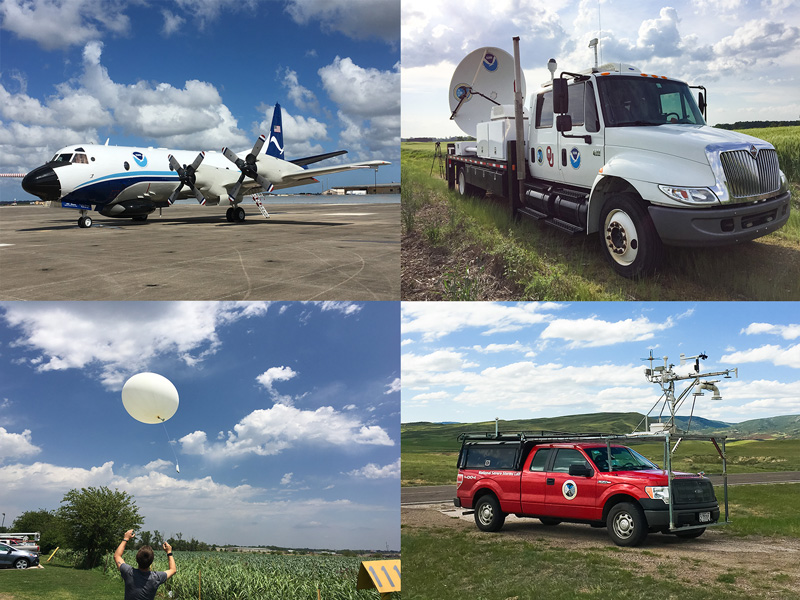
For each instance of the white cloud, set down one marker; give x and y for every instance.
(270, 431)
(273, 374)
(287, 479)
(172, 22)
(111, 344)
(787, 332)
(373, 471)
(16, 445)
(497, 348)
(439, 319)
(303, 98)
(393, 387)
(789, 357)
(592, 332)
(358, 19)
(345, 307)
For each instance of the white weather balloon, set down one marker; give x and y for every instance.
(150, 398)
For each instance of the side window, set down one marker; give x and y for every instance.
(576, 93)
(488, 457)
(592, 119)
(566, 457)
(544, 110)
(540, 459)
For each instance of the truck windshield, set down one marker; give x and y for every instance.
(629, 101)
(622, 459)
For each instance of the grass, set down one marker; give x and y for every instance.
(543, 264)
(59, 582)
(442, 564)
(767, 510)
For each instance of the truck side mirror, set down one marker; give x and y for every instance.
(563, 123)
(580, 470)
(560, 96)
(702, 103)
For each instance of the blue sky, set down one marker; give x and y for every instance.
(287, 431)
(746, 52)
(200, 74)
(471, 362)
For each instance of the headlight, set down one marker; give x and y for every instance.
(658, 493)
(689, 195)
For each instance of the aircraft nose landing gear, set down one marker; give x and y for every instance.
(84, 221)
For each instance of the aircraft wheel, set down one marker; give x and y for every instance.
(84, 222)
(229, 215)
(140, 218)
(239, 214)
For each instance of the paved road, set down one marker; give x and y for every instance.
(432, 494)
(304, 252)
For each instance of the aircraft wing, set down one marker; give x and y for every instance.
(311, 173)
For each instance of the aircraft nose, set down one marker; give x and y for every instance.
(42, 182)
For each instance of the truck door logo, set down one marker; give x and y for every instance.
(575, 158)
(569, 489)
(539, 155)
(549, 156)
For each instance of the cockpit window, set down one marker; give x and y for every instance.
(65, 158)
(81, 159)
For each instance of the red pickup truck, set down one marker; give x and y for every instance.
(597, 483)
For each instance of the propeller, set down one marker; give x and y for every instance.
(248, 167)
(187, 177)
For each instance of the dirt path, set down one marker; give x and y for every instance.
(718, 553)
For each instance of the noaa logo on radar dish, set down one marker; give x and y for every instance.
(462, 90)
(490, 62)
(569, 489)
(140, 159)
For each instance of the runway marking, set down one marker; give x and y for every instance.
(1, 245)
(347, 214)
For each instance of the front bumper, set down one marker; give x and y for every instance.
(719, 226)
(657, 513)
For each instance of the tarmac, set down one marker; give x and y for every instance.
(303, 252)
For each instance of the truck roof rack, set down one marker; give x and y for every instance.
(564, 436)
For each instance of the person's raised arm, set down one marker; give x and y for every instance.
(172, 567)
(121, 548)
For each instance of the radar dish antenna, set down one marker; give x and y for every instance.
(484, 78)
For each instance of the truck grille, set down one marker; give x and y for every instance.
(692, 491)
(747, 176)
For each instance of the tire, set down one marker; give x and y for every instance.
(21, 563)
(84, 222)
(461, 184)
(488, 516)
(691, 534)
(549, 521)
(238, 214)
(626, 524)
(141, 218)
(229, 215)
(629, 238)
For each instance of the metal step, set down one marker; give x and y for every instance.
(260, 205)
(564, 226)
(532, 213)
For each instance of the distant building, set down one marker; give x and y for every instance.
(381, 188)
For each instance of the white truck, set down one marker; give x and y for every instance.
(614, 151)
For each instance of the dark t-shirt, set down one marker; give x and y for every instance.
(141, 585)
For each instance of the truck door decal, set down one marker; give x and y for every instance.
(575, 158)
(539, 155)
(569, 489)
(549, 156)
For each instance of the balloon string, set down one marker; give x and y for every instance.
(169, 441)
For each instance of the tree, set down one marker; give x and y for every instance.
(46, 522)
(95, 519)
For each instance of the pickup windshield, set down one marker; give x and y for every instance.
(629, 101)
(622, 459)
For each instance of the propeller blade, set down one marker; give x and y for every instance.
(231, 156)
(248, 168)
(235, 190)
(258, 145)
(186, 174)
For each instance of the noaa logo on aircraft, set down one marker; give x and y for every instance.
(575, 158)
(490, 62)
(539, 155)
(140, 159)
(569, 489)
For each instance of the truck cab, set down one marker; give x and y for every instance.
(595, 483)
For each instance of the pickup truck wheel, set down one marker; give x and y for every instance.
(626, 524)
(630, 240)
(488, 516)
(21, 563)
(692, 533)
(549, 521)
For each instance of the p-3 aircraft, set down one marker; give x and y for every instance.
(132, 182)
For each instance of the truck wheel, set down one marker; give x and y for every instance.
(630, 240)
(626, 524)
(488, 516)
(691, 534)
(463, 186)
(549, 521)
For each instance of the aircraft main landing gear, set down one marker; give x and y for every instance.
(235, 214)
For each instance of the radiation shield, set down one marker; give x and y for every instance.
(150, 398)
(381, 575)
(483, 79)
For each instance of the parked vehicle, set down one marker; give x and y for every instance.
(585, 480)
(15, 557)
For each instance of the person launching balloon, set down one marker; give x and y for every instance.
(141, 583)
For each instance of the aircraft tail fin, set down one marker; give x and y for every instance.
(275, 144)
